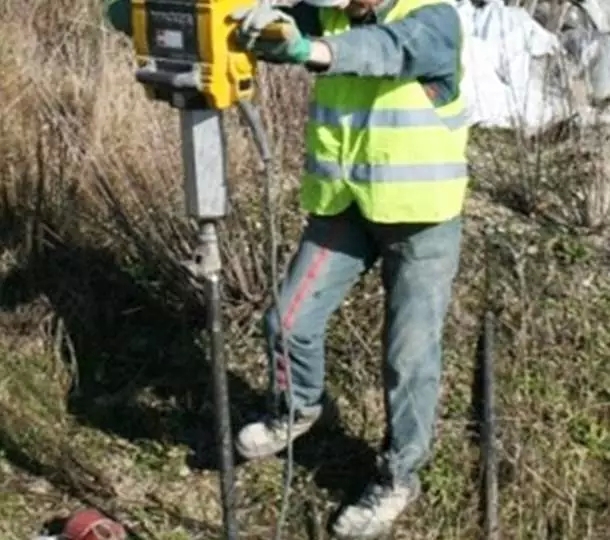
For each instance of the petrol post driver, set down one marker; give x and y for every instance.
(186, 56)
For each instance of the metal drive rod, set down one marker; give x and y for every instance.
(492, 530)
(221, 402)
(208, 242)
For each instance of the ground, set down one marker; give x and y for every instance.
(105, 395)
(137, 441)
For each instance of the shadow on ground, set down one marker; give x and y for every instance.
(141, 374)
(127, 343)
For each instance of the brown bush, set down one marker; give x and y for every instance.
(87, 155)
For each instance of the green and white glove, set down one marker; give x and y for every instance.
(289, 47)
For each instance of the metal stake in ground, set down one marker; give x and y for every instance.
(488, 439)
(207, 267)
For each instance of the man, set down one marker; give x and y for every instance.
(386, 179)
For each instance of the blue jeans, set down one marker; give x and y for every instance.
(419, 263)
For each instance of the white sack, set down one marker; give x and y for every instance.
(506, 54)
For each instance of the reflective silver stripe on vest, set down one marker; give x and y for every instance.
(371, 118)
(385, 173)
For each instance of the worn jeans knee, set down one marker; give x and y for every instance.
(418, 270)
(333, 253)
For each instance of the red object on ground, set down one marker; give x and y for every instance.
(90, 524)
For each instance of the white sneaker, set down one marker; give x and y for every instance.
(376, 511)
(269, 436)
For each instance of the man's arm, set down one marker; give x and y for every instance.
(423, 45)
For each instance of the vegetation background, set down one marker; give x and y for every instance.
(104, 393)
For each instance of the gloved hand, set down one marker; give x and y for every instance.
(291, 47)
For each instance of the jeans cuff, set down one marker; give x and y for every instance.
(394, 470)
(300, 409)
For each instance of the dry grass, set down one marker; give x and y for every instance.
(104, 394)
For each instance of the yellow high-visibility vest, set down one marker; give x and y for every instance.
(382, 143)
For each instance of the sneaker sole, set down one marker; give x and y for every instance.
(243, 452)
(387, 534)
(327, 417)
(269, 451)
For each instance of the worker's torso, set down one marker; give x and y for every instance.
(382, 143)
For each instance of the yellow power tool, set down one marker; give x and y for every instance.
(189, 45)
(187, 56)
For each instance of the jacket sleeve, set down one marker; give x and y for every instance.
(425, 45)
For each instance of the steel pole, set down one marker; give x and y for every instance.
(214, 327)
(491, 525)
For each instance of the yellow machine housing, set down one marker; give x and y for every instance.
(186, 48)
